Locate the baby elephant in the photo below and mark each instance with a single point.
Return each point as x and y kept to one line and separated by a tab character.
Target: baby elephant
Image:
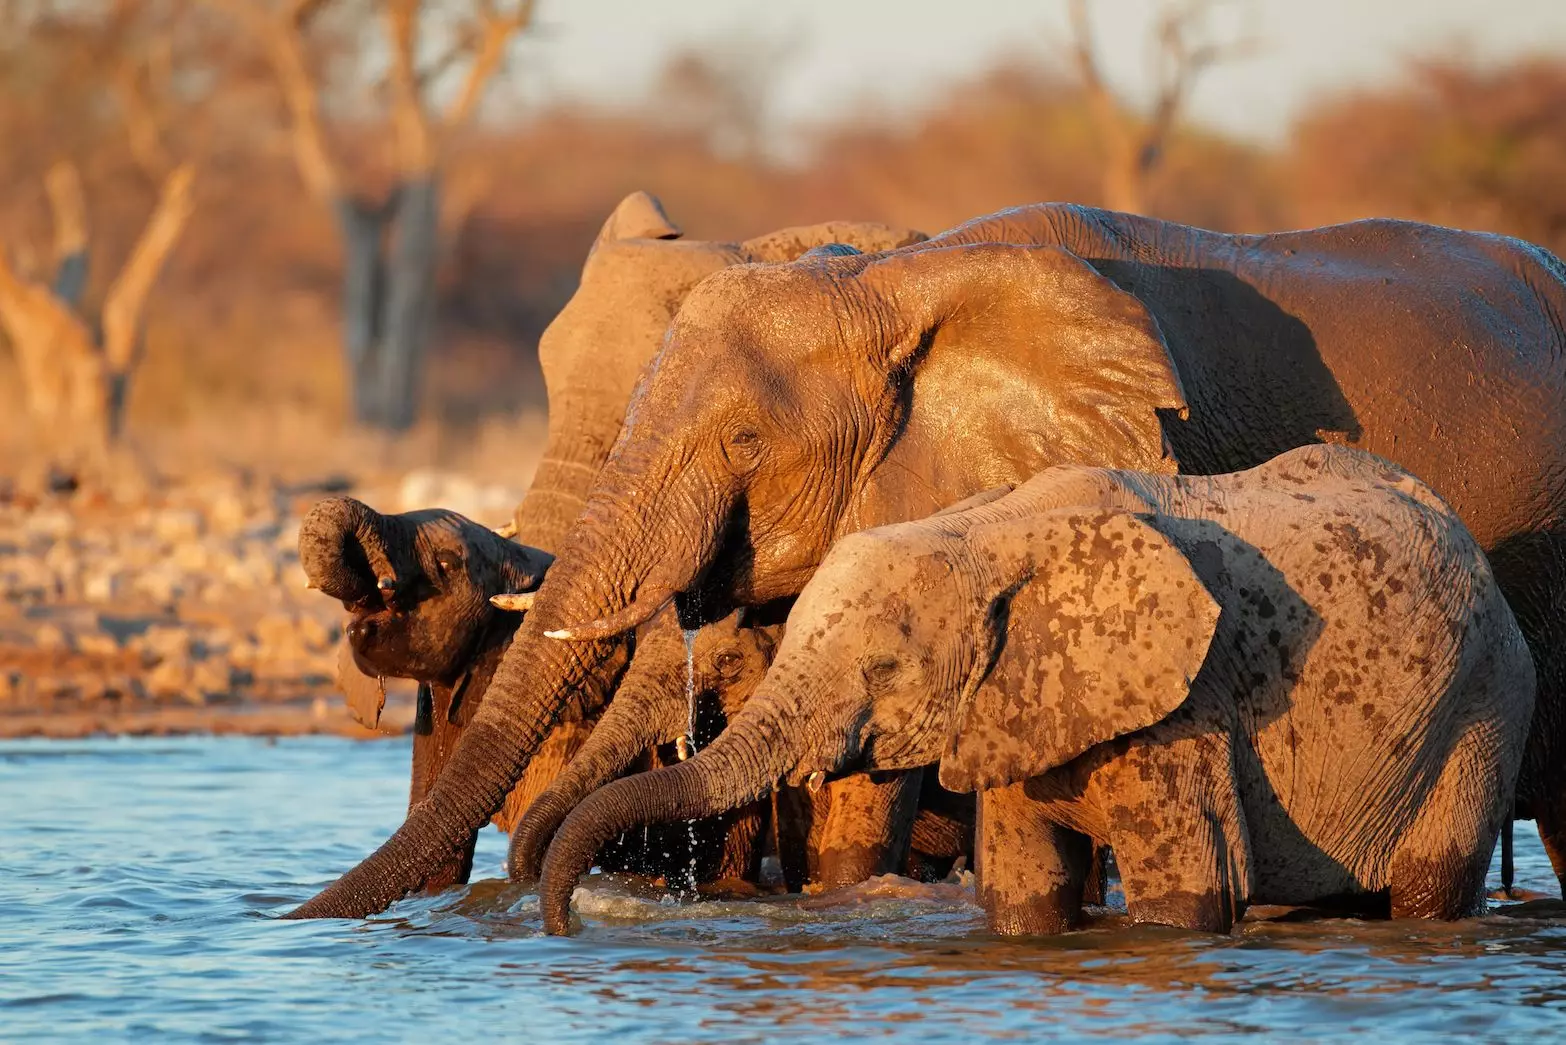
1295	684
417	588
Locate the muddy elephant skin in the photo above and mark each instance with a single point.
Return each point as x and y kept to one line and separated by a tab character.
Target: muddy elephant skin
794	403
1295	684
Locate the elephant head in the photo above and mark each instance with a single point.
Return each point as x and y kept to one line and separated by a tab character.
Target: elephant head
639	270
679	690
637	274
420	590
999	641
417	587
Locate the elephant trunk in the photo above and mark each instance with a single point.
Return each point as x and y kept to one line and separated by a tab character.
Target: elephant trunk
743	764
346	549
610	571
627	730
535	681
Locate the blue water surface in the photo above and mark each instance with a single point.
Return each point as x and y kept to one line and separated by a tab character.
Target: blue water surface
140	880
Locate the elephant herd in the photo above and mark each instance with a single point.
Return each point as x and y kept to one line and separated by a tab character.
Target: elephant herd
1061	533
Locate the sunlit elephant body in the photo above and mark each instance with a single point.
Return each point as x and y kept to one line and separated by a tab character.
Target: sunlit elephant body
638	272
1294	684
794	403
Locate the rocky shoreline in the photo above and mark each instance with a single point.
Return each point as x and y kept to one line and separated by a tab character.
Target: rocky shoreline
183	610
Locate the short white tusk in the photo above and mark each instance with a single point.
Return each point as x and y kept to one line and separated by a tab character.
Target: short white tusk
520	602
815	780
309	584
507	530
683	747
563	633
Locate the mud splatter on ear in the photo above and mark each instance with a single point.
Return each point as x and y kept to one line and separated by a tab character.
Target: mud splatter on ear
1100	636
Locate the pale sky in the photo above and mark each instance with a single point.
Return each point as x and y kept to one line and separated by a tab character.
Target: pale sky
900	51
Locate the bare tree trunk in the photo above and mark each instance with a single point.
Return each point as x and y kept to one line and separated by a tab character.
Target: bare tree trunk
410	301
363	230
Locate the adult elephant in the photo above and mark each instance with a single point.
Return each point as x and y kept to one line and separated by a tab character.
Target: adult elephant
386	569
792	404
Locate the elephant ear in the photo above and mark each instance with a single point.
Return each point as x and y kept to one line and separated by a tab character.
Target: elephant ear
1100	633
366	696
639	216
1029	340
863	236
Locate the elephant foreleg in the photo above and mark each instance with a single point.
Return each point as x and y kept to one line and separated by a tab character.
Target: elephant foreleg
434	738
1030	869
867	827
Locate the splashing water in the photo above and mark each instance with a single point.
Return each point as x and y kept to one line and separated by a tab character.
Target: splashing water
689	635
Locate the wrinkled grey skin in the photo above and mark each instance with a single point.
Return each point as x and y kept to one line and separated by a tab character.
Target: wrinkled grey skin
795	403
638	271
1295	684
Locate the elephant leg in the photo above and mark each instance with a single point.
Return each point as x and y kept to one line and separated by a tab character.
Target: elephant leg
556	752
792	823
738	866
1030	869
1096	891
1531	572
1442	860
867	827
434	739
1178	831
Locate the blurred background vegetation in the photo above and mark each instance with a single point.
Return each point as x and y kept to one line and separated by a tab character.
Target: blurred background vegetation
370	183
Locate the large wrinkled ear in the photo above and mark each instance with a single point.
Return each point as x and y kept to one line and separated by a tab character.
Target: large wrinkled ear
639	216
866	237
1099	632
366	696
1037	338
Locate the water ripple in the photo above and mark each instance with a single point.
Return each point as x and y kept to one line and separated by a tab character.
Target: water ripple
140	883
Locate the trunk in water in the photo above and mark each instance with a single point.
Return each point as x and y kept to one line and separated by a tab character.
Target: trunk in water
537	679
741	765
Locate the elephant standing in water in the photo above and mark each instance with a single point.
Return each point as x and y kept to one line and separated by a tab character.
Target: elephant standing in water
436	626
792	404
1289	685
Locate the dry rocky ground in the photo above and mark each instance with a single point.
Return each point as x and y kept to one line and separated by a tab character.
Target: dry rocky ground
183	610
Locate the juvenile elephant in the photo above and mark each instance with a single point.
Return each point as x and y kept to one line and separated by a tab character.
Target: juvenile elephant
1294	684
417	588
792	404
674	700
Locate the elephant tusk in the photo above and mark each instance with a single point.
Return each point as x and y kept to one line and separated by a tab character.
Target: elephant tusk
519	602
815	781
563	633
684	747
506	530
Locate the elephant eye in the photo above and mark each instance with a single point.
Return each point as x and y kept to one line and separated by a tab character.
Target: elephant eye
742	447
728	664
880	669
447	563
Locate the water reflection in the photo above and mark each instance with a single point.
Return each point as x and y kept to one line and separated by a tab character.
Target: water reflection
138	883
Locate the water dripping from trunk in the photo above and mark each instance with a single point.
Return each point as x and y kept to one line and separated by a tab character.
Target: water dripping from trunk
688	749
